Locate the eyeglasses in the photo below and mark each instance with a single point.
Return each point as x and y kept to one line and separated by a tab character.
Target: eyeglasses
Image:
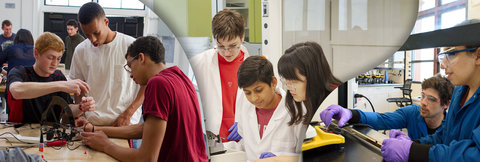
430	99
290	84
449	54
127	67
223	49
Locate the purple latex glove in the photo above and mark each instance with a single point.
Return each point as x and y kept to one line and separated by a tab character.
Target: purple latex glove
397	150
267	155
336	112
234	136
398	135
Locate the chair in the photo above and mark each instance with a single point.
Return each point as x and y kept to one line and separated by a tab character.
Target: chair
406	92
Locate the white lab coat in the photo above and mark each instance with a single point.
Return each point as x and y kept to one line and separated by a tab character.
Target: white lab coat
278	138
207	73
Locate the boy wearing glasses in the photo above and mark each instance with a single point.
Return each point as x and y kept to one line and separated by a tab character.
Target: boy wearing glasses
420	120
30	89
172	130
216	73
99	62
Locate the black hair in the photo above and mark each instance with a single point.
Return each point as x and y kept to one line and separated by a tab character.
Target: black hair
6	23
308	60
72	22
253	69
148	45
23	36
90	11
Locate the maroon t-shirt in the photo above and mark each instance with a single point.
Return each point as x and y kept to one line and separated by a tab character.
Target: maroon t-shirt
264	115
171	96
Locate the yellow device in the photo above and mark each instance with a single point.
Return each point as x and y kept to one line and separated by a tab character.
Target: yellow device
322	139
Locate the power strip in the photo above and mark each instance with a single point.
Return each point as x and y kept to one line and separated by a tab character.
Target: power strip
11	138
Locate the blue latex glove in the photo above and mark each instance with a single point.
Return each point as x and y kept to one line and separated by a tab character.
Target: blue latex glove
336	112
267	155
234	136
397	150
398	135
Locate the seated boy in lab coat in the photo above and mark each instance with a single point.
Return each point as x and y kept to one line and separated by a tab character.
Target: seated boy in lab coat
263	124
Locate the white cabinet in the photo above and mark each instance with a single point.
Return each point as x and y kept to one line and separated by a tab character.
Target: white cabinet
378	95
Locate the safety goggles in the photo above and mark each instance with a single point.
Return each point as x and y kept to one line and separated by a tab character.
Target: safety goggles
450	54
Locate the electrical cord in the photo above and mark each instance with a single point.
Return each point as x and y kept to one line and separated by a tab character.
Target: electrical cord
360	95
13	137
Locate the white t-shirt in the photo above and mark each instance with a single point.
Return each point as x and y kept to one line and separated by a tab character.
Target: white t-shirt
110	85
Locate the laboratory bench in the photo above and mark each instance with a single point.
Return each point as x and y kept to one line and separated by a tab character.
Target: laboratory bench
355	148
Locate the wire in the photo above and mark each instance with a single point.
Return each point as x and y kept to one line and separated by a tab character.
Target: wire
360	95
72	143
14	137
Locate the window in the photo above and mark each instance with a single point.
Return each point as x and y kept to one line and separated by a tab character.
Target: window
434	15
73	3
118	4
422	64
123	4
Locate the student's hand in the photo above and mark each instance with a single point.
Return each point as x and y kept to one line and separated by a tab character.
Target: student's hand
80	122
234	136
87	104
76	86
122	120
398	135
397	150
266	155
96	140
337	112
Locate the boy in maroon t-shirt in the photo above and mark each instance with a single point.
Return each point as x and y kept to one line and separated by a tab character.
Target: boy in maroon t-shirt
172	130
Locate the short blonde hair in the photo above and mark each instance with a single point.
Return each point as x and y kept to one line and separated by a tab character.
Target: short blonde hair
48	41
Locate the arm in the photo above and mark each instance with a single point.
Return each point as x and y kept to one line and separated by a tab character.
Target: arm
126	132
29	90
383	121
152	140
124	118
87	104
461	150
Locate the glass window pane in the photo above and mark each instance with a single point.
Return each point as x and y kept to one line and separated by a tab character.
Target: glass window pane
359	10
447	1
316	15
398	59
452	18
423	54
133	4
422	70
78	2
110	3
424	24
56	2
426	4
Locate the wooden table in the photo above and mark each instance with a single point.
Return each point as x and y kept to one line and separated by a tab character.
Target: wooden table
63	154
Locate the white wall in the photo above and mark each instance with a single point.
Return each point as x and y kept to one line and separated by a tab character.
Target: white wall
29	15
13	14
